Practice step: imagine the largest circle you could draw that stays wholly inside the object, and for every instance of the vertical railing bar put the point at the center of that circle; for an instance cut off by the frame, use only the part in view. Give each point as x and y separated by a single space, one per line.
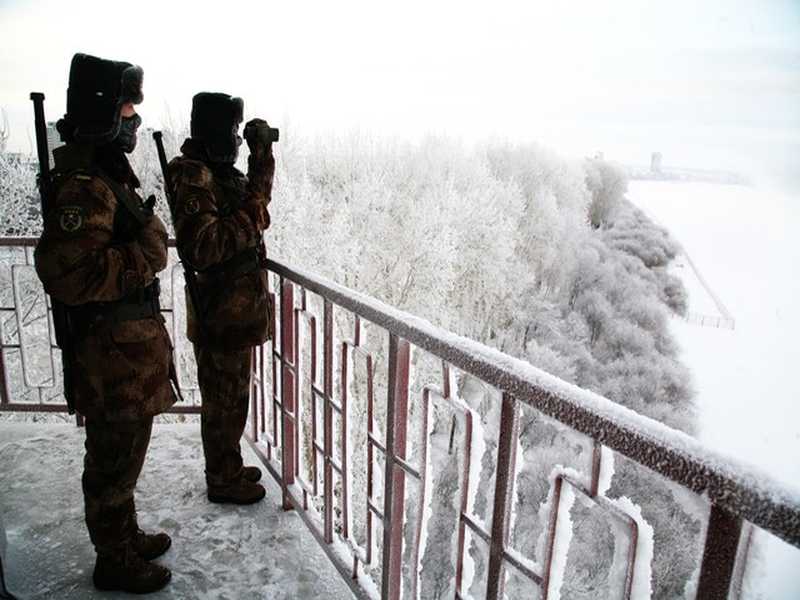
464 499
343 422
371 417
719 556
632 553
394 494
551 537
370 473
297 361
4 397
253 396
51 336
328 419
597 453
287 390
423 491
742 560
314 432
262 387
446 392
178 365
503 495
275 366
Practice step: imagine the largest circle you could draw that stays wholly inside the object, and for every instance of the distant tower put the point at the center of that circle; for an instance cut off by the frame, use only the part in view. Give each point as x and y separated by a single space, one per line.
655 162
53 140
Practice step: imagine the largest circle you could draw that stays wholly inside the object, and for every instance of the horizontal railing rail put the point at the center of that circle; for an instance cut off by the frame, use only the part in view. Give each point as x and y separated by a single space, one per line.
301 426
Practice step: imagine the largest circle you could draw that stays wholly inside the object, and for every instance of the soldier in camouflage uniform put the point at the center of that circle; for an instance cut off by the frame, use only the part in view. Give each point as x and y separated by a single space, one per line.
99 254
219 218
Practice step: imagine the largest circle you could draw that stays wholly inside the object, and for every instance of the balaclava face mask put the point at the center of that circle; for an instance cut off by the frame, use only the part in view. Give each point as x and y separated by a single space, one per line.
126 138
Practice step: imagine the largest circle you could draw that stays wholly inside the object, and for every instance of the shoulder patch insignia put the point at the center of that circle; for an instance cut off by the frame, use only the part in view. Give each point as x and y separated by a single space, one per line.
191 206
71 218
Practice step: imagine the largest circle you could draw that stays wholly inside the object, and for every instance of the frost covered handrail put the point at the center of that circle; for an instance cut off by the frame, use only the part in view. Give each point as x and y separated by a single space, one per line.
741 489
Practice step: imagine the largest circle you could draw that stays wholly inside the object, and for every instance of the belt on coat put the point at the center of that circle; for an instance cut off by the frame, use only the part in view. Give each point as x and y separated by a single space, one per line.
142 304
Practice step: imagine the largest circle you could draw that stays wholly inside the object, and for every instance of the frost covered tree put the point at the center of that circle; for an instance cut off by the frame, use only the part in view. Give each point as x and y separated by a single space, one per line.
19 198
608 185
5 132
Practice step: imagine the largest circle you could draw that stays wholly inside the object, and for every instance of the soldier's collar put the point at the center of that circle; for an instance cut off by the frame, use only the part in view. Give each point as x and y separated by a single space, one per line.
73 157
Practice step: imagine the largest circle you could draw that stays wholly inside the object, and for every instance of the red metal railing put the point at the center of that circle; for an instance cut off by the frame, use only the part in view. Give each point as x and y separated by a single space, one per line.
295 438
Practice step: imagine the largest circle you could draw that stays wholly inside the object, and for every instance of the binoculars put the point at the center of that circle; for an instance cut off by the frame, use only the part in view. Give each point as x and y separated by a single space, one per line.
258 132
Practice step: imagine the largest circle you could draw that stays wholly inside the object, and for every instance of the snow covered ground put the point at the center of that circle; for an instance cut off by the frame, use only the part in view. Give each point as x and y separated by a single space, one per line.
218 552
744 242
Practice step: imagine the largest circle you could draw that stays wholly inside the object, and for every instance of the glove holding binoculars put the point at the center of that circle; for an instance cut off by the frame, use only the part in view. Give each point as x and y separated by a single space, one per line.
260 165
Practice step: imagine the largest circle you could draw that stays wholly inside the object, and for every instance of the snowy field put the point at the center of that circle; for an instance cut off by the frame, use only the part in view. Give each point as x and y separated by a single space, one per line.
218 552
744 243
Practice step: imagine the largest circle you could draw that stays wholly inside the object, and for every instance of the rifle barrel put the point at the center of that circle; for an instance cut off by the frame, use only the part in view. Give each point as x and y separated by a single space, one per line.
42 150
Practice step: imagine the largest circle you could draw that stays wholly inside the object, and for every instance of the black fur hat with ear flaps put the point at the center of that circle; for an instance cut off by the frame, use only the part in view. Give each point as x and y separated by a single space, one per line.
97 90
215 122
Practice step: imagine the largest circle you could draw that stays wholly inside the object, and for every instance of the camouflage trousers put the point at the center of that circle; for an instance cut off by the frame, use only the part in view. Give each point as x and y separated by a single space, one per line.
115 453
224 379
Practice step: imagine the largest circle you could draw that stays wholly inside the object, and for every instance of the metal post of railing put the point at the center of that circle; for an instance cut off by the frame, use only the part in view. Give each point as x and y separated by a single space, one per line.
253 396
395 490
719 556
4 399
503 495
327 351
262 388
288 410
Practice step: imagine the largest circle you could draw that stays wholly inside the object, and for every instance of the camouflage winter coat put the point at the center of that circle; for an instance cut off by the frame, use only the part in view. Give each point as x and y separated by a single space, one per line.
219 217
84 260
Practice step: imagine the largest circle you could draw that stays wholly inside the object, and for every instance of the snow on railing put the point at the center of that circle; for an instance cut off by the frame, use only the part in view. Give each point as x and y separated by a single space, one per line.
361 459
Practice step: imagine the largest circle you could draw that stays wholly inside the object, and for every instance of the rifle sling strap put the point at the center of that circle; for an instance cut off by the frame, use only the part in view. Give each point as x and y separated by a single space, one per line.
124 196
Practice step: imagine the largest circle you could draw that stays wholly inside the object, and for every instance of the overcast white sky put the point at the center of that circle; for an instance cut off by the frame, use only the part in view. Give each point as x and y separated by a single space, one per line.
710 84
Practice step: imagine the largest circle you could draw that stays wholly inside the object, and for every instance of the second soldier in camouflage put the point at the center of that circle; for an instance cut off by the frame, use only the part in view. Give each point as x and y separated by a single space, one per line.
219 219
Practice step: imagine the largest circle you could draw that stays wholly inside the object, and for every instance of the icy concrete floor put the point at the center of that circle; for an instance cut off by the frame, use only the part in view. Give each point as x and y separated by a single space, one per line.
218 552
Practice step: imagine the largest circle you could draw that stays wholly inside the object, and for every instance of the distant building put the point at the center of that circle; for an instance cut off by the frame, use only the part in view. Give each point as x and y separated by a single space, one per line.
655 162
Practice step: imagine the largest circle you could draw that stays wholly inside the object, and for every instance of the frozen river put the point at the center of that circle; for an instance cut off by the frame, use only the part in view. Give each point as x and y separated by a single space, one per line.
744 242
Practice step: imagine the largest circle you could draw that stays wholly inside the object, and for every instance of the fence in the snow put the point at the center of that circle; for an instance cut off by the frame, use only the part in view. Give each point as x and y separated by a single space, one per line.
410 453
712 321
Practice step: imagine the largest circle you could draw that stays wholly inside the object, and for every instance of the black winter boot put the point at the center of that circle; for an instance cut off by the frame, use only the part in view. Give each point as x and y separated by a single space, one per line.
150 545
251 473
126 571
239 492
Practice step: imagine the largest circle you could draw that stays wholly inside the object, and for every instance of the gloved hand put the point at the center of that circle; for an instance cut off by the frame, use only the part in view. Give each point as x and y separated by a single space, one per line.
260 170
259 136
